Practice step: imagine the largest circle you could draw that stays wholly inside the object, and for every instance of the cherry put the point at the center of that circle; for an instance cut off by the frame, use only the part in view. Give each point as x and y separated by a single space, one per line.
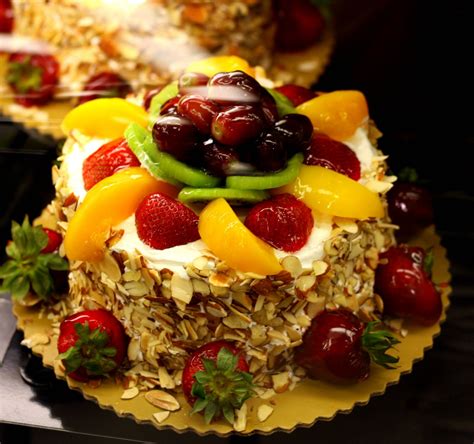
234 87
198 110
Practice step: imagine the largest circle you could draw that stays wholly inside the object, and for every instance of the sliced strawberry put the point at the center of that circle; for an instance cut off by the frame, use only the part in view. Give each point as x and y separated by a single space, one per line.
105 84
54 241
330 153
296 93
33 77
163 222
300 24
6 17
107 160
282 221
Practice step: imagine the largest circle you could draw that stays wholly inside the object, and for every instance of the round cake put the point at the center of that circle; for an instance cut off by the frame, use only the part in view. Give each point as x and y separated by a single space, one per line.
227 243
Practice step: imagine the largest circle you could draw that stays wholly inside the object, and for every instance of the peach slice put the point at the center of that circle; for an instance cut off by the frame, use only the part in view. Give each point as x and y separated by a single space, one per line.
333 193
104 118
230 240
108 203
337 114
213 65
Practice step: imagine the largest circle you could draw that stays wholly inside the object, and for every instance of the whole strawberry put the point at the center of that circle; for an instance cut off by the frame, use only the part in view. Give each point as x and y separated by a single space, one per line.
402 280
339 347
410 206
106 161
283 221
330 153
33 77
216 380
300 24
103 85
163 222
91 343
33 264
6 17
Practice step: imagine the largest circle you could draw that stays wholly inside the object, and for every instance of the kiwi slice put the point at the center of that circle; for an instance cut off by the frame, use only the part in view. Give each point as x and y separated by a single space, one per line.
233 196
283 103
165 165
267 181
168 92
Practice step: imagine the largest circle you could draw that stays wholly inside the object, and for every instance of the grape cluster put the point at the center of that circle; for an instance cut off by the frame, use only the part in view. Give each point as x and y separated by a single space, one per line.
222 122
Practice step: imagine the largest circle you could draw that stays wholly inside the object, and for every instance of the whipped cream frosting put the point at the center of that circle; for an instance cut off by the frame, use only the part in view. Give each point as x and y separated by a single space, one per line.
176 258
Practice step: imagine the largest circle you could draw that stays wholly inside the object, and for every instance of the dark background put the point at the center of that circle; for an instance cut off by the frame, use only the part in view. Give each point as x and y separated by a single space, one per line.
410 62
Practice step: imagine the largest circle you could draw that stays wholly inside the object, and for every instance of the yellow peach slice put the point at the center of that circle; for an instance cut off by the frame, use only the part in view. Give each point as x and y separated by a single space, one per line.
230 240
333 193
108 203
337 114
104 118
213 65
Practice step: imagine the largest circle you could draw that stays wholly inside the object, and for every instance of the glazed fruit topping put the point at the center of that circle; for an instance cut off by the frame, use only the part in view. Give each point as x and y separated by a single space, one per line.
150 94
282 221
170 106
104 84
294 131
232 88
403 281
193 83
163 222
199 110
296 93
107 160
330 153
33 77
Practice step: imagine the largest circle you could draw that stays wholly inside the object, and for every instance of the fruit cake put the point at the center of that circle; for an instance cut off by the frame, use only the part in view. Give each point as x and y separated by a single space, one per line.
227 243
84 49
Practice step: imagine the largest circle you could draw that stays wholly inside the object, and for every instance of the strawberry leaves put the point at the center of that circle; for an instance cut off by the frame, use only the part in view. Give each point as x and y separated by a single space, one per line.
28 269
90 352
220 387
377 342
25 76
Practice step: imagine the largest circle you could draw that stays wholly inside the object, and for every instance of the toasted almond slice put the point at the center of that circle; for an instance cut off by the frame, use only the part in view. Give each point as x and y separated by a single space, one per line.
263 412
36 339
241 419
281 382
163 400
159 417
130 393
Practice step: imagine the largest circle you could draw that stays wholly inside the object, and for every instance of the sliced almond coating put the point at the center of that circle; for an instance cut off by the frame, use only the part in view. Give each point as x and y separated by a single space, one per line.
163 400
130 393
241 419
281 382
159 417
181 289
36 339
263 412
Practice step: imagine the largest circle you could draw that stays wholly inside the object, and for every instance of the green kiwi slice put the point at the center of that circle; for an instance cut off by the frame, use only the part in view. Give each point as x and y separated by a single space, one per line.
270 180
168 92
234 197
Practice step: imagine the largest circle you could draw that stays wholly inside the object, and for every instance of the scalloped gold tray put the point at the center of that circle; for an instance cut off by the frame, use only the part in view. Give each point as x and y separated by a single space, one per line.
311 401
305 67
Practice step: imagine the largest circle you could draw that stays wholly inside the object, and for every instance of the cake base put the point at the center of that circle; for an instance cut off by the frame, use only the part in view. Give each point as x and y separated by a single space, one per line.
311 401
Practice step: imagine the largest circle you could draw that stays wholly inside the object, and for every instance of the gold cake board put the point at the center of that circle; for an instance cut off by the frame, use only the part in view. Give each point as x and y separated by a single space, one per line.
311 401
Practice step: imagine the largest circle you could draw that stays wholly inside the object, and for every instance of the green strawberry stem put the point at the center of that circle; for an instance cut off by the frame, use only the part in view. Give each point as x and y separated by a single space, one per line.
25 76
377 342
221 388
28 269
90 352
429 262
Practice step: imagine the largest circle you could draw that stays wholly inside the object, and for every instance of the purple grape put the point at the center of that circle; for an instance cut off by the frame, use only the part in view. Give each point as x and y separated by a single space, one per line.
217 159
171 106
199 110
175 135
193 83
237 124
270 153
233 88
269 107
294 131
149 96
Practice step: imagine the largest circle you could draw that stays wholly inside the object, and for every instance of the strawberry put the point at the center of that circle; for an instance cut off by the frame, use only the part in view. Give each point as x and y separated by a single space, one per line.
91 343
33 77
330 153
104 84
410 206
402 280
106 161
283 221
54 241
339 347
216 380
300 24
6 17
32 265
296 93
163 222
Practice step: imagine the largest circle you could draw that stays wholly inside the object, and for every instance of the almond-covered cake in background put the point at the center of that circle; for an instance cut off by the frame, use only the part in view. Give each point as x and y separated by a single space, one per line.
108 49
225 244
